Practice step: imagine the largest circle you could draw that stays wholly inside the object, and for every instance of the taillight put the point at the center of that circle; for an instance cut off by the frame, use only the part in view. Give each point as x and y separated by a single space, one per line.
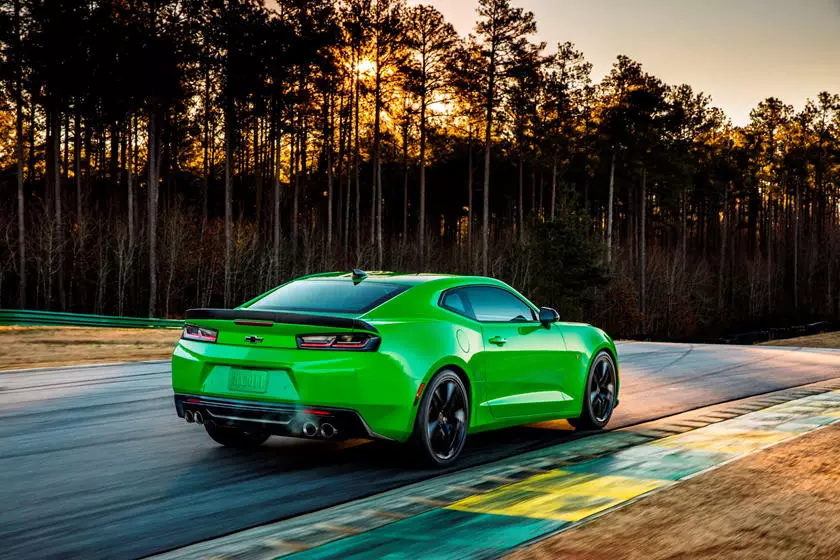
202 334
349 341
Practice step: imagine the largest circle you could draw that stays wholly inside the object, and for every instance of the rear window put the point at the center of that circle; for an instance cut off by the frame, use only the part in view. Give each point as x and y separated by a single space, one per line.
329 296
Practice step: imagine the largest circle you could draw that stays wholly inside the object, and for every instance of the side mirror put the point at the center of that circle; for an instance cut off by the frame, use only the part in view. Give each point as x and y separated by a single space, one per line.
548 316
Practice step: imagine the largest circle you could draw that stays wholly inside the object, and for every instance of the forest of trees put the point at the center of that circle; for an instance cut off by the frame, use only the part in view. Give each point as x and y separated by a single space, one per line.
157 155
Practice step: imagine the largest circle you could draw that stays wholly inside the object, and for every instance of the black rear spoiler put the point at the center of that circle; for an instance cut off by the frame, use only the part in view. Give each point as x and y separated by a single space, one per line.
280 317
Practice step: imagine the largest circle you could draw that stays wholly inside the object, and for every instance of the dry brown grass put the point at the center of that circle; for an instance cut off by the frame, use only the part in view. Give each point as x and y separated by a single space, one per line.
783 502
30 347
823 340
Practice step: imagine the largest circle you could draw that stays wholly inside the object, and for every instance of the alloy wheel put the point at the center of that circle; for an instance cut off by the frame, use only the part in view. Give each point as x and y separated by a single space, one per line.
602 389
446 422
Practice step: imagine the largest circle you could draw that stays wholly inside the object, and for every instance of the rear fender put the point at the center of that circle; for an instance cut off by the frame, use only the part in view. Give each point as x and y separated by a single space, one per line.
588 341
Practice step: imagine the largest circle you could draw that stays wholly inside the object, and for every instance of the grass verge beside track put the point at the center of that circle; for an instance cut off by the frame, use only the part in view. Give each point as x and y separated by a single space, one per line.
823 340
32 347
782 502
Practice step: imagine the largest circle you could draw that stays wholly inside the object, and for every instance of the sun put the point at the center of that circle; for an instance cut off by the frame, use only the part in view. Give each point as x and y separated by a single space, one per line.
366 67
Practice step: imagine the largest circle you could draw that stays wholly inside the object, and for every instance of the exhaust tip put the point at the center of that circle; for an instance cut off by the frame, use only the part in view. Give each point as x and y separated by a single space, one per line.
310 429
188 416
328 430
199 419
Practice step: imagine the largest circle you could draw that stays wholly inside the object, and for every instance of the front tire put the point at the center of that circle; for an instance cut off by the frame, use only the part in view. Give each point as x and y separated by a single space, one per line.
599 395
233 437
443 417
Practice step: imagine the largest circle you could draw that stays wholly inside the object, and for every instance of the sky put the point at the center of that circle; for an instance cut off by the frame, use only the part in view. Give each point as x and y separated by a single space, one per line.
738 51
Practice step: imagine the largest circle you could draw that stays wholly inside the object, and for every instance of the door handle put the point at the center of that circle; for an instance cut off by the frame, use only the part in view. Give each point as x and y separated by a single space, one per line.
498 340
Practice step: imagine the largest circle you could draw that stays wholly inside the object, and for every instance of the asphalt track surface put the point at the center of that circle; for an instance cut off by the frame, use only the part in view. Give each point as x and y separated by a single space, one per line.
95 464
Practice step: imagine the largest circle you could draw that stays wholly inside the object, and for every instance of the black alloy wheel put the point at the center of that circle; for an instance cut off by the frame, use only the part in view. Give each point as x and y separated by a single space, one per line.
600 394
440 429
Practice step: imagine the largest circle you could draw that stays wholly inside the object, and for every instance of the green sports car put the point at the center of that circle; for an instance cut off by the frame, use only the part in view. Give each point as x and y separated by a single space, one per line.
421 359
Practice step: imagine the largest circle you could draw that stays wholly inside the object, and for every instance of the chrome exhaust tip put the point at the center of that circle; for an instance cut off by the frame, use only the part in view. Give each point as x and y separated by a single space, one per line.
188 416
199 419
328 431
310 429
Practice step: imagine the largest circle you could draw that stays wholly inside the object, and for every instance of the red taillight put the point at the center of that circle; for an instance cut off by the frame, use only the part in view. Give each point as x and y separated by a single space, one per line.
348 341
202 334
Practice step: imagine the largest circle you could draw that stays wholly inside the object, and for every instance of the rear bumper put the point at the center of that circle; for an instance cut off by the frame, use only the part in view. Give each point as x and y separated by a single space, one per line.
277 419
375 386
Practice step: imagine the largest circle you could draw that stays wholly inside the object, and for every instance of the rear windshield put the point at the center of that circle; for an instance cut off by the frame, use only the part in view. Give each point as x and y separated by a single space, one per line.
329 296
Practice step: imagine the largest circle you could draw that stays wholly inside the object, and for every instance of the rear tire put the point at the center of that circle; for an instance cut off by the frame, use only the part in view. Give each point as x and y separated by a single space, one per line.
599 394
233 437
442 421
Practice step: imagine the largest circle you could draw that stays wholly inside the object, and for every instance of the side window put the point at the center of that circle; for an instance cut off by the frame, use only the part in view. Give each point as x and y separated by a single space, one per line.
454 300
495 305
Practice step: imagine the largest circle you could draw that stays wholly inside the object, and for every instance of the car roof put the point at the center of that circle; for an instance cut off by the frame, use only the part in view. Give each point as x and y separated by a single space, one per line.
407 279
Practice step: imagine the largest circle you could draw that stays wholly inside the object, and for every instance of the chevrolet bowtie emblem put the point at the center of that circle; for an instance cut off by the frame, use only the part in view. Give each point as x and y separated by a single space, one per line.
253 339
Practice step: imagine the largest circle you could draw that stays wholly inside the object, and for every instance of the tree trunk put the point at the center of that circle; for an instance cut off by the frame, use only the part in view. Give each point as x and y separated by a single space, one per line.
129 156
488 130
684 228
153 195
374 167
258 179
349 179
59 220
276 201
207 151
228 198
724 237
405 181
421 230
379 205
642 244
376 202
769 245
31 158
470 198
610 209
521 213
533 188
553 188
357 173
20 164
342 168
796 248
296 195
329 148
66 165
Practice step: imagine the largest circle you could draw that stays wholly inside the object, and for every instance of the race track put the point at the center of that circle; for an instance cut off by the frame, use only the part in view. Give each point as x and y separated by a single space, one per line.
95 464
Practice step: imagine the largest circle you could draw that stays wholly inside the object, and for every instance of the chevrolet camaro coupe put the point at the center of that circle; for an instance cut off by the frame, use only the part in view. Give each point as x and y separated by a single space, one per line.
418 359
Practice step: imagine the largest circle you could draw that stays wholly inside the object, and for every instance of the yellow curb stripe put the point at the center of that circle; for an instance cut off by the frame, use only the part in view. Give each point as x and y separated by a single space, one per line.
734 443
559 496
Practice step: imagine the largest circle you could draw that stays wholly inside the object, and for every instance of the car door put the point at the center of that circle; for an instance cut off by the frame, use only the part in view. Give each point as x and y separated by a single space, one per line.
524 363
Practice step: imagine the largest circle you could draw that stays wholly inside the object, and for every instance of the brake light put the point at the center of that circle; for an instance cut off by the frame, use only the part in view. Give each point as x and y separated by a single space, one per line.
202 334
254 323
348 341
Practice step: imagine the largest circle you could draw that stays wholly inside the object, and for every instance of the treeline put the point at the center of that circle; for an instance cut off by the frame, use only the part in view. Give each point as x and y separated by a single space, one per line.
161 154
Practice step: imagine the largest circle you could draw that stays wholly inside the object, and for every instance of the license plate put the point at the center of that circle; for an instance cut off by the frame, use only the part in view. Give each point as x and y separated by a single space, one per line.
248 381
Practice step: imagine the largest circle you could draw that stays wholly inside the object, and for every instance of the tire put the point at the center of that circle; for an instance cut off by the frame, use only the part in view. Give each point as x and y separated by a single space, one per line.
442 421
233 437
599 395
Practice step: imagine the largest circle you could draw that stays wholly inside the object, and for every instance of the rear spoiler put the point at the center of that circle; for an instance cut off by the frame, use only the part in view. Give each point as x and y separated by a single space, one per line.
280 317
